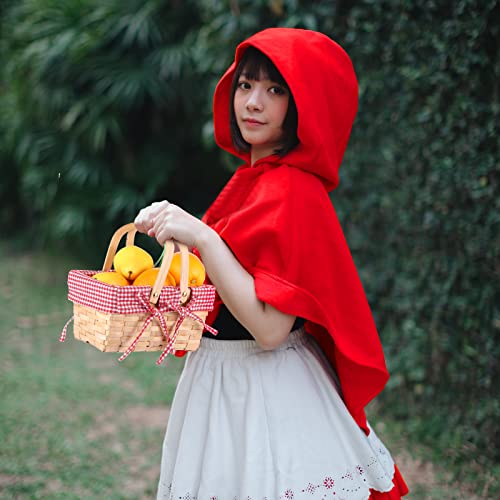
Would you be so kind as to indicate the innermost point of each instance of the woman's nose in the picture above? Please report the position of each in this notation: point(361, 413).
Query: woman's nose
point(254, 101)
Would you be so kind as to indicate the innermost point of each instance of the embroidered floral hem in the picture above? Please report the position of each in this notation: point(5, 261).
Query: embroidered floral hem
point(324, 489)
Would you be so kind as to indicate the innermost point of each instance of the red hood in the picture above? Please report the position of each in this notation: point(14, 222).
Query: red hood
point(325, 118)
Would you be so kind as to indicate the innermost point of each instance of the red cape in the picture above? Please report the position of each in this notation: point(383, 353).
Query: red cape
point(278, 219)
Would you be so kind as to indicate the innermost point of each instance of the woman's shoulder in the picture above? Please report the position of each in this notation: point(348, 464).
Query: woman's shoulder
point(293, 178)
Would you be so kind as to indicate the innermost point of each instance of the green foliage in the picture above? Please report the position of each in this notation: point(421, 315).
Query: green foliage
point(426, 136)
point(101, 92)
point(106, 107)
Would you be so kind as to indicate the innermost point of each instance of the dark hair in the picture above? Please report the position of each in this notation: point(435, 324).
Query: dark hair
point(255, 64)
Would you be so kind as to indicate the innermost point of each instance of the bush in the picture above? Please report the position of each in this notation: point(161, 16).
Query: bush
point(108, 109)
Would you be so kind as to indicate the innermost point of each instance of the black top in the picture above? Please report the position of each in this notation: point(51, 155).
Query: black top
point(231, 329)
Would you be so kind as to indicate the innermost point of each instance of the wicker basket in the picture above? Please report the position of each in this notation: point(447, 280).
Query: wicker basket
point(127, 318)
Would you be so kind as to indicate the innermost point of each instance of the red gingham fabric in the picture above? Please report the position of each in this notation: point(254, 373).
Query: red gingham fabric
point(86, 291)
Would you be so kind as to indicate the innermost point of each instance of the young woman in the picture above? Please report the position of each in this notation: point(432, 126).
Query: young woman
point(273, 406)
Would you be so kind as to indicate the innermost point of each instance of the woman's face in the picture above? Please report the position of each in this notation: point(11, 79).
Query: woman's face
point(260, 107)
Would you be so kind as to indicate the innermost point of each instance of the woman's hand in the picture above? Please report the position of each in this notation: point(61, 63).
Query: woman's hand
point(165, 221)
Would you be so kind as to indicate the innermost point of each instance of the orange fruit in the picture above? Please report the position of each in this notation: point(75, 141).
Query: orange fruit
point(111, 278)
point(196, 275)
point(131, 261)
point(148, 278)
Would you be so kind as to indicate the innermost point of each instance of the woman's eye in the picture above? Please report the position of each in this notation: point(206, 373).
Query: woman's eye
point(278, 90)
point(244, 85)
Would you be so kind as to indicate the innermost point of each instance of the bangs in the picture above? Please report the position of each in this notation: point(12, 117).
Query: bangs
point(254, 65)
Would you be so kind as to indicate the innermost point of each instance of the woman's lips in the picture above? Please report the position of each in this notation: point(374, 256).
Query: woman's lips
point(252, 123)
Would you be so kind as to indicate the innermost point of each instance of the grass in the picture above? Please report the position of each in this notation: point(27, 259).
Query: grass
point(75, 423)
point(429, 472)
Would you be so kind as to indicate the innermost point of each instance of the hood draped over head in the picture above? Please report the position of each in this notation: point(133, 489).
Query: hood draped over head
point(278, 220)
point(323, 83)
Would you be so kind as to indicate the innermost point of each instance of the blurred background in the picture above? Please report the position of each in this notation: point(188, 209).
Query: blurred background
point(106, 107)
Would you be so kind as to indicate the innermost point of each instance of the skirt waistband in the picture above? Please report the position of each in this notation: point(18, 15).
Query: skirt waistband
point(295, 338)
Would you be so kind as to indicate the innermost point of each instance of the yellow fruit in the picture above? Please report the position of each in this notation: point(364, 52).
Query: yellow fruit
point(111, 278)
point(131, 261)
point(196, 275)
point(148, 278)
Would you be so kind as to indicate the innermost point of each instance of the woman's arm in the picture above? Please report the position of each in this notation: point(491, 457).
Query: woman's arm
point(235, 285)
point(269, 326)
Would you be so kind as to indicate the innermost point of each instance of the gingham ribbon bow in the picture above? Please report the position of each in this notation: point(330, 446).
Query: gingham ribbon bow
point(154, 312)
point(157, 312)
point(183, 312)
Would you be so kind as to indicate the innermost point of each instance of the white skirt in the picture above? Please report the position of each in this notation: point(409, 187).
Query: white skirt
point(250, 424)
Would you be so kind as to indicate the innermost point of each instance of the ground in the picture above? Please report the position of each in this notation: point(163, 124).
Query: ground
point(75, 423)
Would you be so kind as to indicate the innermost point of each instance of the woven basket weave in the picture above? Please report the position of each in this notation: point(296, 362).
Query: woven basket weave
point(116, 332)
point(110, 317)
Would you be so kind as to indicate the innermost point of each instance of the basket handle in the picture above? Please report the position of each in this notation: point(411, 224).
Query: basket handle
point(165, 266)
point(130, 230)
